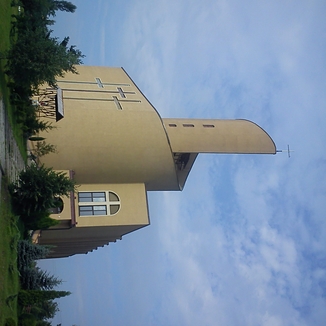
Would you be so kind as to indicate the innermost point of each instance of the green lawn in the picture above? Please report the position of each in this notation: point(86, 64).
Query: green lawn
point(9, 234)
point(5, 18)
point(9, 277)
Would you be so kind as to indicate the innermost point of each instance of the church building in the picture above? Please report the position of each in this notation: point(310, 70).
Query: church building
point(116, 147)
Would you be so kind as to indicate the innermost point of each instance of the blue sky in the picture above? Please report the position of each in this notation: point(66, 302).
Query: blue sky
point(245, 242)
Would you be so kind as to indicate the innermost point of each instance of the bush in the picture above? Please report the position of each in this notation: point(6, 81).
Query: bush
point(10, 322)
point(38, 220)
point(37, 188)
point(26, 319)
point(37, 191)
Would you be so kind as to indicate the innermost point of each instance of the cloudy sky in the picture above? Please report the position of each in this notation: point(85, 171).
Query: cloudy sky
point(245, 242)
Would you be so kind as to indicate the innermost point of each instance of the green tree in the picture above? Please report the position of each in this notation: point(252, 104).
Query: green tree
point(37, 190)
point(28, 252)
point(32, 297)
point(43, 323)
point(33, 278)
point(37, 58)
point(47, 7)
point(48, 281)
point(45, 309)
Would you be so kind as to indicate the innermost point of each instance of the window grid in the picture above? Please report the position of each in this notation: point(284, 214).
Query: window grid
point(104, 203)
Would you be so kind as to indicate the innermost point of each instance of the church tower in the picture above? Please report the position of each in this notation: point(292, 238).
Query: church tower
point(116, 146)
point(189, 137)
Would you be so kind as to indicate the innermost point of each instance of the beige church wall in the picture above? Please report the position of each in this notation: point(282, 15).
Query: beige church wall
point(218, 136)
point(103, 144)
point(133, 206)
point(86, 235)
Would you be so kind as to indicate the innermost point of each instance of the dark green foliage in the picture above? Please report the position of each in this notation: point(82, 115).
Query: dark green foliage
point(47, 281)
point(45, 310)
point(36, 57)
point(47, 7)
point(38, 220)
point(29, 278)
point(31, 297)
point(35, 192)
point(10, 322)
point(26, 319)
point(43, 323)
point(36, 279)
point(28, 252)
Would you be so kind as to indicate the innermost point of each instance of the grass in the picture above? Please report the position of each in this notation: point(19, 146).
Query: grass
point(5, 18)
point(9, 233)
point(9, 276)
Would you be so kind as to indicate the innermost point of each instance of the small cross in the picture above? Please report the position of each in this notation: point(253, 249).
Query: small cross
point(285, 150)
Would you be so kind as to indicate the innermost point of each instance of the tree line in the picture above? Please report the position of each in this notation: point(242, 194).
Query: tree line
point(36, 58)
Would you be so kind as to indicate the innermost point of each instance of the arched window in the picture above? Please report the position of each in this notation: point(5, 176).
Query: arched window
point(98, 203)
point(57, 207)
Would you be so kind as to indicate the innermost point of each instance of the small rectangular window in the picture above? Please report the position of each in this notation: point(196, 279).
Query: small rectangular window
point(88, 197)
point(92, 210)
point(208, 126)
point(172, 125)
point(188, 125)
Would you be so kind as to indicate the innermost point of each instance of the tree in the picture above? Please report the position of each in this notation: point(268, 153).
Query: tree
point(32, 297)
point(45, 309)
point(33, 278)
point(62, 6)
point(47, 281)
point(37, 58)
point(27, 252)
point(48, 7)
point(37, 190)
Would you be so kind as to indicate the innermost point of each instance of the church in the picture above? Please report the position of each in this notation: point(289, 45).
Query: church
point(115, 145)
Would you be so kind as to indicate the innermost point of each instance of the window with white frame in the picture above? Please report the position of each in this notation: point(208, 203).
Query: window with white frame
point(98, 203)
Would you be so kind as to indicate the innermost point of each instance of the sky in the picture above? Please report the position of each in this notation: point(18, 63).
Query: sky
point(245, 242)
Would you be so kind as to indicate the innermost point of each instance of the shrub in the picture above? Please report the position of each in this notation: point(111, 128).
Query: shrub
point(38, 220)
point(26, 319)
point(10, 322)
point(37, 188)
point(42, 148)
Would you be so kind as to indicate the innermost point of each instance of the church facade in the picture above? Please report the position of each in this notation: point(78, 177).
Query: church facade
point(116, 147)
